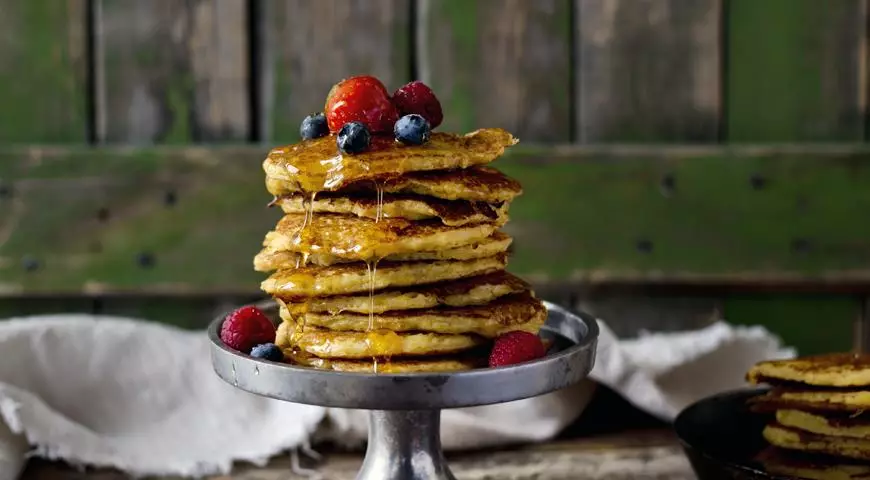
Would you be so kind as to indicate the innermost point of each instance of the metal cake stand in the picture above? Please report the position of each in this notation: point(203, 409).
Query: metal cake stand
point(404, 422)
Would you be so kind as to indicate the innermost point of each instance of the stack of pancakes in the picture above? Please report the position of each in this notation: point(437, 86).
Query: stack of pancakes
point(392, 259)
point(819, 404)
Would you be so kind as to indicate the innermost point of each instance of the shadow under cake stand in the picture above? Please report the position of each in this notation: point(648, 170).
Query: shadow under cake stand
point(405, 409)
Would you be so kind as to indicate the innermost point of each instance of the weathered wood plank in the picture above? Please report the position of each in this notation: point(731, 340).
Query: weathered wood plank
point(19, 307)
point(605, 458)
point(648, 70)
point(185, 312)
point(309, 46)
point(43, 71)
point(158, 217)
point(501, 63)
point(800, 77)
point(171, 72)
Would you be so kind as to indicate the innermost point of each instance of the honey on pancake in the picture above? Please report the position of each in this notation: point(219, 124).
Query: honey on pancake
point(316, 165)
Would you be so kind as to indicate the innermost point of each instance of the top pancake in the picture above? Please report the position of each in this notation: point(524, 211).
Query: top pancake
point(832, 370)
point(317, 165)
point(475, 184)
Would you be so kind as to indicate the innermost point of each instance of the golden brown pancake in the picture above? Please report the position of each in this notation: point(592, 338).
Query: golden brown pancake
point(355, 277)
point(520, 311)
point(396, 365)
point(475, 184)
point(356, 238)
point(813, 400)
point(785, 437)
point(270, 260)
point(834, 426)
point(798, 464)
point(316, 165)
point(477, 290)
point(833, 370)
point(410, 207)
point(375, 344)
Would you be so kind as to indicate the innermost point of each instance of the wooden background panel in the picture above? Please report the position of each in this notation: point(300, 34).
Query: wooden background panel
point(309, 46)
point(43, 71)
point(795, 70)
point(799, 79)
point(499, 64)
point(126, 219)
point(171, 72)
point(648, 70)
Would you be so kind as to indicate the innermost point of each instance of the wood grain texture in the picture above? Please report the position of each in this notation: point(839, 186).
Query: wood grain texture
point(156, 218)
point(619, 456)
point(502, 63)
point(170, 71)
point(309, 46)
point(648, 70)
point(800, 77)
point(43, 71)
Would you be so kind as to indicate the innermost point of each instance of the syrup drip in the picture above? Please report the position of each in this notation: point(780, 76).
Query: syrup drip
point(372, 268)
point(301, 238)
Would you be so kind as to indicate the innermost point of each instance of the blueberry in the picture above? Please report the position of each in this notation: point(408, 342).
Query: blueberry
point(268, 351)
point(313, 126)
point(353, 137)
point(412, 129)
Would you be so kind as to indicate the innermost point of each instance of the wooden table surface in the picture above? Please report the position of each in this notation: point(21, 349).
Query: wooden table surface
point(611, 441)
point(646, 454)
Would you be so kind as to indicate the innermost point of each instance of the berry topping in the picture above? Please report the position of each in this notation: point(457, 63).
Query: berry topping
point(353, 137)
point(516, 347)
point(313, 126)
point(246, 327)
point(360, 99)
point(268, 351)
point(412, 129)
point(418, 98)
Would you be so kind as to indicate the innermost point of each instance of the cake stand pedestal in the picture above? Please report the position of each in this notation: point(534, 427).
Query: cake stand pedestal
point(404, 422)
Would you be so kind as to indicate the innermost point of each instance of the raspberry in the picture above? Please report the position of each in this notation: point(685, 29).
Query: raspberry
point(361, 99)
point(516, 347)
point(416, 97)
point(245, 328)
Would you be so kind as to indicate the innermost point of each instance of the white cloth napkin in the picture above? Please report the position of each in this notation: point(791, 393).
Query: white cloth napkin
point(142, 397)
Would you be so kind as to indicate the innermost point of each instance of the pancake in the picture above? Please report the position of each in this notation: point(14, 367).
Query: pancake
point(397, 365)
point(476, 290)
point(356, 238)
point(801, 465)
point(785, 437)
point(410, 207)
point(833, 370)
point(269, 260)
point(316, 165)
point(839, 426)
point(475, 184)
point(355, 277)
point(375, 344)
point(813, 400)
point(512, 312)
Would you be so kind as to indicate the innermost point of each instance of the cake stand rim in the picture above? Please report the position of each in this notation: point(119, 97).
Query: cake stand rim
point(252, 374)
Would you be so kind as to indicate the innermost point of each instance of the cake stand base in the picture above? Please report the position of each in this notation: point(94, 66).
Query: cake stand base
point(404, 445)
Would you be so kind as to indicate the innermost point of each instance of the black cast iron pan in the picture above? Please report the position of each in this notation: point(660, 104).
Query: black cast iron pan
point(721, 437)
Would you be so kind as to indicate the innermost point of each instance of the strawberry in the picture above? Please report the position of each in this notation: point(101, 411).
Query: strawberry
point(361, 99)
point(516, 347)
point(416, 97)
point(245, 328)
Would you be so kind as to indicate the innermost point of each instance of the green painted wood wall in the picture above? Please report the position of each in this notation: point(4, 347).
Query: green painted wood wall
point(683, 161)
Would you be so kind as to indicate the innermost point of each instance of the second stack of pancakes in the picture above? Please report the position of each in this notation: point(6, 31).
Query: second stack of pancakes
point(819, 404)
point(392, 260)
